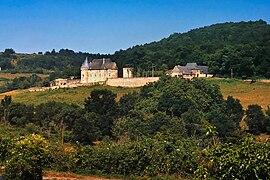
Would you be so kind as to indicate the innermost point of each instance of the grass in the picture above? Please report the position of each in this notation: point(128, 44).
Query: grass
point(10, 76)
point(248, 93)
point(71, 95)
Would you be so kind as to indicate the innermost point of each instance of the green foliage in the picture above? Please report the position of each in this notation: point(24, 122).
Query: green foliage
point(169, 103)
point(24, 83)
point(8, 52)
point(102, 102)
point(242, 47)
point(26, 157)
point(5, 104)
point(234, 109)
point(172, 127)
point(147, 157)
point(247, 160)
point(256, 120)
point(86, 129)
point(20, 114)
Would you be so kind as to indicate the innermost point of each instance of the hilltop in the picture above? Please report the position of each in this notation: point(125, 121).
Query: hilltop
point(243, 47)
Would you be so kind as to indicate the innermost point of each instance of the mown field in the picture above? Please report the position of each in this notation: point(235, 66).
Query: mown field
point(68, 95)
point(8, 77)
point(248, 93)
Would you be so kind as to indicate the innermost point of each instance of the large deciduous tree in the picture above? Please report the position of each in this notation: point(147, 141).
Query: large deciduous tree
point(102, 102)
point(255, 118)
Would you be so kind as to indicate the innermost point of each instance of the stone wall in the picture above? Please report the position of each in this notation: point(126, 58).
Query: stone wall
point(131, 82)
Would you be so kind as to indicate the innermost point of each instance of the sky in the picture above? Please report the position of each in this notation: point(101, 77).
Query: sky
point(106, 26)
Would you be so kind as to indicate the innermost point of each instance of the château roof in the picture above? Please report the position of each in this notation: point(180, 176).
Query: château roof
point(85, 63)
point(98, 64)
point(104, 63)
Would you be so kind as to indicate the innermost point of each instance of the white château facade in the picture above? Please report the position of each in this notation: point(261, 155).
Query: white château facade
point(98, 71)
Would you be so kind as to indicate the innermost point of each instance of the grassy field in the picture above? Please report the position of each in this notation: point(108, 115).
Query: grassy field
point(248, 93)
point(71, 95)
point(10, 76)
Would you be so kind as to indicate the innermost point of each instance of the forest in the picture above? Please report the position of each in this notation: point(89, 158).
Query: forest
point(171, 129)
point(239, 49)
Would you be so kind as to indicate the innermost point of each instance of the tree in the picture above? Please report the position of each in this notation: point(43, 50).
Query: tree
point(8, 52)
point(127, 103)
point(101, 101)
point(85, 129)
point(26, 158)
point(256, 120)
point(20, 114)
point(234, 109)
point(6, 103)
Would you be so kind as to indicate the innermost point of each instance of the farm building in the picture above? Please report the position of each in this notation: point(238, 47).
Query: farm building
point(190, 70)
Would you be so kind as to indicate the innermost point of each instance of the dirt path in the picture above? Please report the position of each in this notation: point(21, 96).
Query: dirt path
point(71, 176)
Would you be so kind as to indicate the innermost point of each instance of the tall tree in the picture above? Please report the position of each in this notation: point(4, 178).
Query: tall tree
point(102, 102)
point(6, 103)
point(256, 120)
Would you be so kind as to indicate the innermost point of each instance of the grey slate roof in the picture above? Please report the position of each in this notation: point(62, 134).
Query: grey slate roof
point(187, 69)
point(105, 63)
point(98, 64)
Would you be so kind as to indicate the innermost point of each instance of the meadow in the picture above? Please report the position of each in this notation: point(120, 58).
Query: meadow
point(247, 92)
point(10, 76)
point(68, 95)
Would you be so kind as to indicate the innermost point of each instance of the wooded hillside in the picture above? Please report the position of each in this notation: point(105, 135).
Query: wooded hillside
point(243, 47)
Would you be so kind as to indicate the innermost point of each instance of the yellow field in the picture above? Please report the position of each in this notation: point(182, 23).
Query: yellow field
point(72, 95)
point(12, 76)
point(247, 93)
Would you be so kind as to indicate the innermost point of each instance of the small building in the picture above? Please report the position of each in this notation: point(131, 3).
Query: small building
point(70, 82)
point(98, 71)
point(190, 70)
point(127, 72)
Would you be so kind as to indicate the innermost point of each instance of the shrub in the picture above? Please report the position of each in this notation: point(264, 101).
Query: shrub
point(146, 157)
point(247, 160)
point(26, 157)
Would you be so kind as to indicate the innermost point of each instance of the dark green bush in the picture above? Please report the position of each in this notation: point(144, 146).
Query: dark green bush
point(248, 160)
point(146, 157)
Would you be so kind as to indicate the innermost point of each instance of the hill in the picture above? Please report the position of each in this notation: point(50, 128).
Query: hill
point(243, 47)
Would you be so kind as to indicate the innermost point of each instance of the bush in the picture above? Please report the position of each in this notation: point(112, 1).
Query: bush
point(26, 157)
point(146, 157)
point(247, 160)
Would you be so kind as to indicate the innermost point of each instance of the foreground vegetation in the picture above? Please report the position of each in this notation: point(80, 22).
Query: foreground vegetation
point(174, 128)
